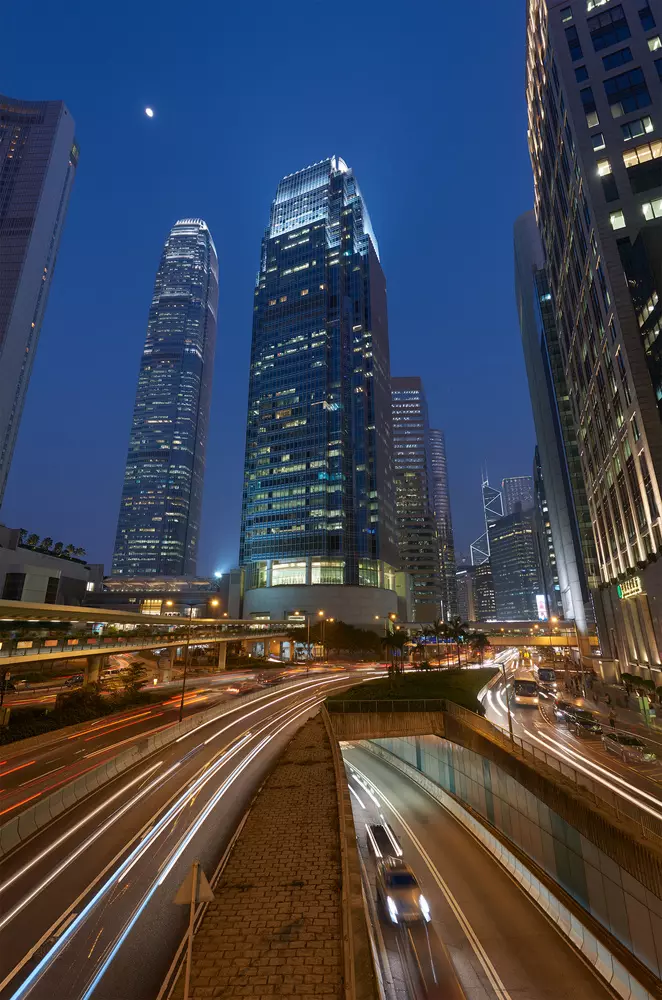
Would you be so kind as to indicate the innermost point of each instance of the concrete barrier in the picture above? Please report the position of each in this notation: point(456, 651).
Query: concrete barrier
point(37, 816)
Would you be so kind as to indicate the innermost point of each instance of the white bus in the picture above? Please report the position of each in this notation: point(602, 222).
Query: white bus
point(546, 678)
point(525, 688)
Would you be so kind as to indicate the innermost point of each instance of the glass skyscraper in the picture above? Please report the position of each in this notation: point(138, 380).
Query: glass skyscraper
point(318, 500)
point(515, 567)
point(442, 512)
point(38, 158)
point(159, 521)
point(514, 490)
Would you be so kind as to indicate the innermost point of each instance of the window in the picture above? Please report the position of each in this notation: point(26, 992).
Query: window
point(627, 92)
point(51, 590)
point(608, 28)
point(658, 67)
point(617, 58)
point(573, 43)
point(589, 107)
point(13, 587)
point(598, 141)
point(566, 14)
point(617, 220)
point(642, 154)
point(592, 4)
point(287, 574)
point(581, 74)
point(646, 18)
point(652, 209)
point(640, 126)
point(604, 168)
point(655, 43)
point(327, 572)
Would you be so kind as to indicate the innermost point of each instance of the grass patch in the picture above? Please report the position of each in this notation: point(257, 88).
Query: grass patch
point(459, 686)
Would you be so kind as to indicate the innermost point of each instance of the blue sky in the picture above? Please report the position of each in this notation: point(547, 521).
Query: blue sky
point(424, 101)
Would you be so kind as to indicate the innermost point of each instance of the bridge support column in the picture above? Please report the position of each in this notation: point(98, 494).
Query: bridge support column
point(166, 664)
point(93, 668)
point(222, 655)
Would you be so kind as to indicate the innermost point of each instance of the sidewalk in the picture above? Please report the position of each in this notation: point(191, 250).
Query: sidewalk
point(627, 718)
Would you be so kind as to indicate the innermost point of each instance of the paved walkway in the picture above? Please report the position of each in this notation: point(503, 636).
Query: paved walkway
point(275, 927)
point(627, 717)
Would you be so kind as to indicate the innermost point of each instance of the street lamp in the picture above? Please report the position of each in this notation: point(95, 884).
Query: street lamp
point(214, 603)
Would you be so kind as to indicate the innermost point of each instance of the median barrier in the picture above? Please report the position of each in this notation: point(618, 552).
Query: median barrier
point(37, 816)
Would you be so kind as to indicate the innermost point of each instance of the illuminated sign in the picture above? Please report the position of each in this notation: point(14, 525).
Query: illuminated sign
point(541, 605)
point(630, 587)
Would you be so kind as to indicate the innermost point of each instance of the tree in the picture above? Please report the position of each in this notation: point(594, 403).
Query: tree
point(439, 630)
point(68, 550)
point(57, 548)
point(458, 632)
point(22, 532)
point(395, 643)
point(133, 677)
point(79, 552)
point(45, 544)
point(479, 643)
point(32, 541)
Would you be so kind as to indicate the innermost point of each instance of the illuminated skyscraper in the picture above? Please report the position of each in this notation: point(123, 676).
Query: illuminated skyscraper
point(318, 511)
point(514, 490)
point(159, 521)
point(38, 158)
point(442, 512)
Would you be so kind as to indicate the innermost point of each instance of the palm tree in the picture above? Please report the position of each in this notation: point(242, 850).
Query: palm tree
point(479, 643)
point(32, 541)
point(438, 629)
point(458, 632)
point(398, 640)
point(46, 544)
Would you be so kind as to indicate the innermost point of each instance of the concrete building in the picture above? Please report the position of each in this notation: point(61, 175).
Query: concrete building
point(517, 490)
point(515, 567)
point(40, 577)
point(595, 110)
point(442, 512)
point(38, 153)
point(199, 597)
point(159, 521)
point(318, 523)
point(418, 543)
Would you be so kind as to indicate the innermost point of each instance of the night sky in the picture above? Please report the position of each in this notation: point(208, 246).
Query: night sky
point(425, 101)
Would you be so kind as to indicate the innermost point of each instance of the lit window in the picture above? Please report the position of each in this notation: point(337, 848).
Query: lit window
point(643, 153)
point(654, 43)
point(640, 126)
point(604, 168)
point(617, 220)
point(566, 14)
point(592, 4)
point(652, 209)
point(598, 141)
point(304, 291)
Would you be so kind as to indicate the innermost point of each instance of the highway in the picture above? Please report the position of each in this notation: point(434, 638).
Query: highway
point(485, 933)
point(86, 905)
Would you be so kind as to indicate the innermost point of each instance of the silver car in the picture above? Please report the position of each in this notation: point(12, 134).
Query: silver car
point(399, 894)
point(628, 748)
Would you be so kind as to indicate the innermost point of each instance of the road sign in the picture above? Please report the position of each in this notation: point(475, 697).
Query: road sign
point(203, 893)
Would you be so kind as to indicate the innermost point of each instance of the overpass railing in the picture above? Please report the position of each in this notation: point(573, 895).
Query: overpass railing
point(600, 791)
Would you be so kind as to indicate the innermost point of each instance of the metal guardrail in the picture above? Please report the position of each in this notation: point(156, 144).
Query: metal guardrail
point(601, 795)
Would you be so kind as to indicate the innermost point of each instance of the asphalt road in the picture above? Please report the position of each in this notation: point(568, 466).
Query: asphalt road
point(93, 891)
point(498, 944)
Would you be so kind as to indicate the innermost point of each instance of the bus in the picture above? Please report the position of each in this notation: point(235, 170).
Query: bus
point(525, 689)
point(546, 678)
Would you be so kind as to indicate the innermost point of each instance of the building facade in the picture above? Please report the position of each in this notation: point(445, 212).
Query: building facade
point(517, 490)
point(515, 567)
point(483, 592)
point(442, 512)
point(418, 542)
point(492, 511)
point(38, 158)
point(319, 502)
point(547, 561)
point(44, 573)
point(464, 588)
point(595, 113)
point(159, 521)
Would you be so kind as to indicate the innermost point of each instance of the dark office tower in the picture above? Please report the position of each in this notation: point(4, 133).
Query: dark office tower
point(483, 592)
point(515, 569)
point(558, 447)
point(466, 606)
point(442, 511)
point(549, 576)
point(418, 542)
point(595, 113)
point(517, 490)
point(318, 505)
point(159, 521)
point(38, 157)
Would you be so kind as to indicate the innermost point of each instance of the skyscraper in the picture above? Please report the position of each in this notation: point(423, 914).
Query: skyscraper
point(414, 505)
point(466, 607)
point(492, 511)
point(595, 110)
point(38, 158)
point(515, 568)
point(549, 576)
point(159, 520)
point(517, 489)
point(442, 511)
point(318, 528)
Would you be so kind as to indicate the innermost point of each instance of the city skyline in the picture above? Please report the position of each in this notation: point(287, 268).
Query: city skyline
point(156, 192)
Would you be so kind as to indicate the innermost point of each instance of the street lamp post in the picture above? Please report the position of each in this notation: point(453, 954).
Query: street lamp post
point(214, 603)
point(505, 691)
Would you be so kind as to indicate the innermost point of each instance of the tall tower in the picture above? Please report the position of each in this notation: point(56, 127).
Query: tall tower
point(38, 158)
point(517, 490)
point(595, 112)
point(492, 511)
point(318, 503)
point(442, 511)
point(159, 520)
point(414, 502)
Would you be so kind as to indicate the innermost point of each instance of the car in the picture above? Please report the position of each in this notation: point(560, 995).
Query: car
point(74, 681)
point(399, 894)
point(564, 710)
point(382, 842)
point(584, 723)
point(628, 748)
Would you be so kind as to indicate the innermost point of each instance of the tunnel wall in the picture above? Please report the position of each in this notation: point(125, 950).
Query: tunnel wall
point(611, 895)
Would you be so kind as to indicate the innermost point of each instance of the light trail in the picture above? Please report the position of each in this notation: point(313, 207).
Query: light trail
point(18, 767)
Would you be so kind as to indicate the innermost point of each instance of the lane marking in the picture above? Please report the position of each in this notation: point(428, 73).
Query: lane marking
point(18, 767)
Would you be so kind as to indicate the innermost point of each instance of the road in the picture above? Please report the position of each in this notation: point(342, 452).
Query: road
point(638, 785)
point(484, 929)
point(95, 888)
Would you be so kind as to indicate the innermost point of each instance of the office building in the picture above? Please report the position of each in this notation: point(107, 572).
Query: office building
point(558, 446)
point(483, 592)
point(492, 511)
point(464, 589)
point(318, 529)
point(43, 571)
point(595, 113)
point(442, 512)
point(39, 155)
point(515, 568)
point(549, 576)
point(517, 490)
point(418, 544)
point(159, 521)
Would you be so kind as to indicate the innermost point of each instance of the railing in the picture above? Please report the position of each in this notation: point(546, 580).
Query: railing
point(384, 706)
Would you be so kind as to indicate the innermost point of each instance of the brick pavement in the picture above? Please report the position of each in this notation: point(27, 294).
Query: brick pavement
point(275, 927)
